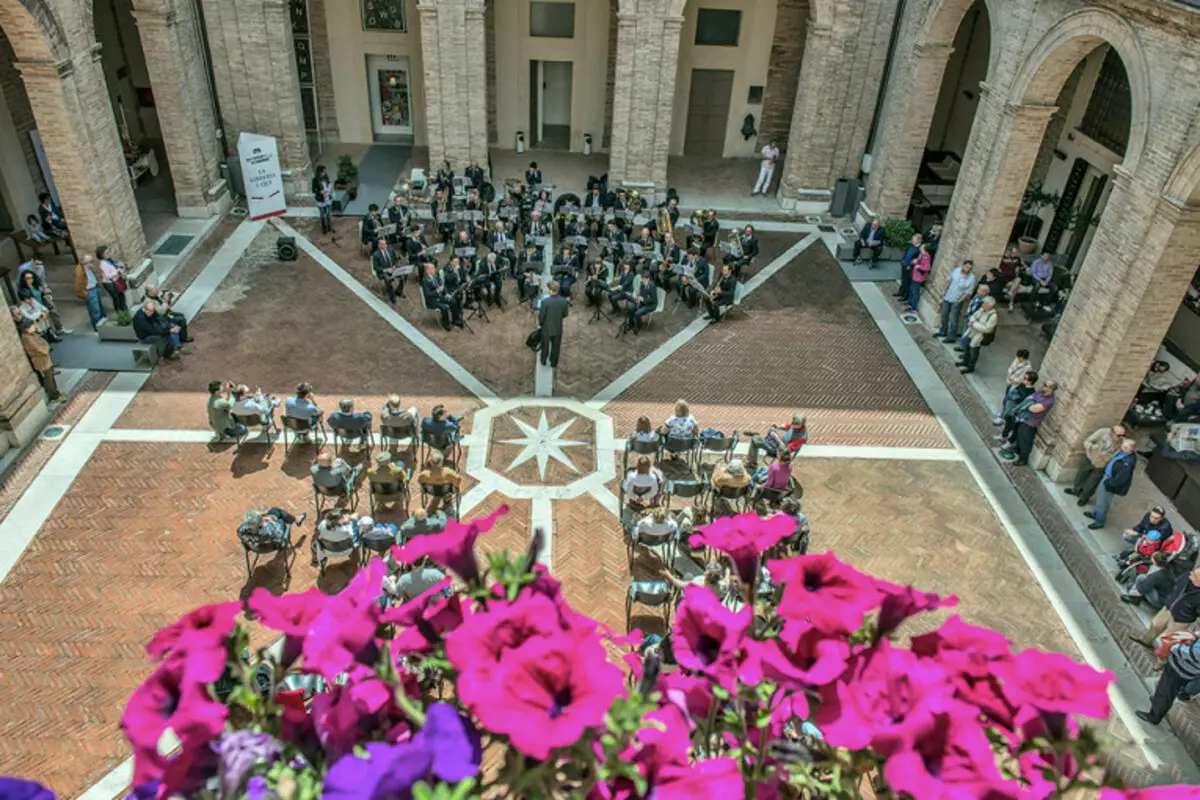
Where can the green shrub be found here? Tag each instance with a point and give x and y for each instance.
(897, 233)
(123, 319)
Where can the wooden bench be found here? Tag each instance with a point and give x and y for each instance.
(20, 238)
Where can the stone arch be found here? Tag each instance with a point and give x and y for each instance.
(1184, 184)
(32, 30)
(944, 18)
(1057, 53)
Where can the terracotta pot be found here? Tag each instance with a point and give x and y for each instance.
(1026, 244)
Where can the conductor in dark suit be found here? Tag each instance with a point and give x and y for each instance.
(383, 264)
(550, 319)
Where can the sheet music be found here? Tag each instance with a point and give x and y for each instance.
(506, 212)
(640, 220)
(544, 207)
(593, 213)
(622, 214)
(436, 249)
(422, 212)
(464, 252)
(388, 230)
(543, 241)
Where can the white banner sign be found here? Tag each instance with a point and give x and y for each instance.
(261, 176)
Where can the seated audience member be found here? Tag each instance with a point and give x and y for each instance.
(264, 529)
(421, 523)
(644, 432)
(303, 406)
(436, 473)
(166, 302)
(690, 518)
(681, 424)
(798, 541)
(714, 578)
(33, 229)
(423, 576)
(376, 536)
(334, 473)
(152, 328)
(790, 437)
(220, 408)
(36, 314)
(337, 528)
(644, 485)
(350, 424)
(1155, 585)
(730, 476)
(439, 423)
(778, 476)
(51, 217)
(1154, 524)
(1186, 407)
(394, 411)
(386, 472)
(658, 522)
(245, 402)
(31, 279)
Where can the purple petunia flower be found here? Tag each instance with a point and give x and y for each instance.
(18, 789)
(240, 752)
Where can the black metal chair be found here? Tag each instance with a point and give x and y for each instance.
(776, 496)
(677, 446)
(441, 490)
(735, 496)
(298, 425)
(346, 436)
(374, 546)
(343, 548)
(264, 422)
(686, 490)
(261, 549)
(723, 446)
(662, 545)
(338, 494)
(634, 446)
(652, 594)
(388, 492)
(444, 443)
(395, 431)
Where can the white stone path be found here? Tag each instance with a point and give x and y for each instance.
(1080, 619)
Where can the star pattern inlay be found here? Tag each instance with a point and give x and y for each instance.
(543, 443)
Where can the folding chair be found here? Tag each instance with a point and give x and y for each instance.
(338, 494)
(721, 445)
(385, 493)
(269, 548)
(444, 443)
(662, 545)
(441, 490)
(395, 431)
(737, 305)
(735, 495)
(297, 426)
(687, 490)
(677, 445)
(777, 496)
(652, 594)
(635, 446)
(378, 547)
(437, 312)
(351, 435)
(343, 548)
(265, 424)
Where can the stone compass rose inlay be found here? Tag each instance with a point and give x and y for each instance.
(543, 443)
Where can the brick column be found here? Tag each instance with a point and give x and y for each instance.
(254, 67)
(453, 50)
(22, 401)
(185, 109)
(70, 105)
(908, 109)
(991, 184)
(644, 94)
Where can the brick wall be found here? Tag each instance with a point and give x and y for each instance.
(22, 117)
(318, 26)
(783, 74)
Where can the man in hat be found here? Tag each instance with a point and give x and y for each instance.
(791, 437)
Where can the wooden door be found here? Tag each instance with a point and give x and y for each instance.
(708, 112)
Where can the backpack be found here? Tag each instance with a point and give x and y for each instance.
(81, 281)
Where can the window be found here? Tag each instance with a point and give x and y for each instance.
(1108, 112)
(383, 15)
(552, 19)
(718, 27)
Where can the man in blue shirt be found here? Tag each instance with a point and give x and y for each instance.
(1042, 273)
(303, 406)
(962, 282)
(440, 424)
(1118, 476)
(348, 423)
(906, 262)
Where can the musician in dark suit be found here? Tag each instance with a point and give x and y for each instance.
(489, 277)
(530, 262)
(452, 275)
(434, 292)
(646, 302)
(673, 211)
(474, 174)
(440, 206)
(383, 264)
(595, 200)
(577, 227)
(498, 237)
(671, 256)
(537, 227)
(721, 297)
(597, 281)
(697, 284)
(533, 175)
(616, 238)
(371, 223)
(466, 238)
(749, 244)
(624, 287)
(645, 240)
(396, 214)
(711, 229)
(553, 311)
(564, 270)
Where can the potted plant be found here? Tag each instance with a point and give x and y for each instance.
(1036, 198)
(347, 176)
(118, 328)
(897, 234)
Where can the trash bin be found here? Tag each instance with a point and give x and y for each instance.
(520, 141)
(587, 144)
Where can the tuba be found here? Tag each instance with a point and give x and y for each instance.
(697, 222)
(664, 221)
(735, 245)
(635, 203)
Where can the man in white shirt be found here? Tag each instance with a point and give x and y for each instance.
(770, 154)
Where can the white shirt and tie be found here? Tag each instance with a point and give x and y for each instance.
(770, 154)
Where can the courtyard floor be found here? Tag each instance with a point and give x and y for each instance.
(128, 521)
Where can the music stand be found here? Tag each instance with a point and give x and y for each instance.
(479, 307)
(422, 212)
(577, 241)
(464, 252)
(598, 311)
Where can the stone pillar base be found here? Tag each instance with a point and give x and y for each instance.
(217, 202)
(805, 201)
(24, 418)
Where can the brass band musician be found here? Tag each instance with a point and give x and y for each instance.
(565, 270)
(720, 296)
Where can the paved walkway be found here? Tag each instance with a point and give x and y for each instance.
(130, 521)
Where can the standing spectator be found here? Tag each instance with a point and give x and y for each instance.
(322, 191)
(958, 290)
(1028, 416)
(38, 351)
(933, 238)
(87, 287)
(113, 278)
(33, 311)
(1017, 370)
(1099, 448)
(551, 313)
(1042, 273)
(920, 272)
(151, 328)
(981, 329)
(220, 411)
(1182, 667)
(973, 305)
(770, 154)
(1181, 610)
(870, 237)
(906, 265)
(40, 288)
(1118, 477)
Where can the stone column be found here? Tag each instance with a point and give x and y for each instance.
(184, 104)
(908, 109)
(70, 104)
(454, 55)
(254, 67)
(990, 187)
(644, 94)
(22, 401)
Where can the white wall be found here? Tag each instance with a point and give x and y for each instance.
(349, 46)
(556, 97)
(16, 187)
(749, 62)
(588, 52)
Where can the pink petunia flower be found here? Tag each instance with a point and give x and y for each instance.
(802, 657)
(709, 638)
(169, 698)
(1181, 792)
(744, 538)
(1054, 683)
(343, 633)
(949, 759)
(968, 654)
(822, 590)
(290, 614)
(347, 714)
(902, 602)
(453, 548)
(884, 700)
(200, 634)
(429, 625)
(692, 695)
(549, 691)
